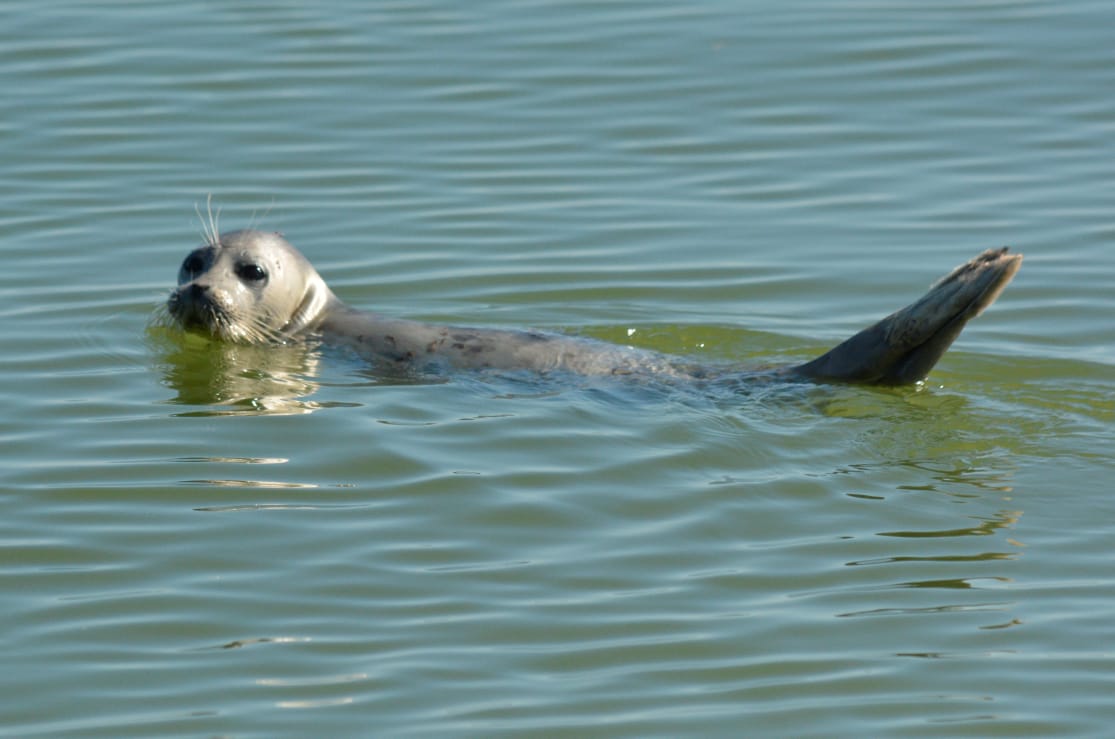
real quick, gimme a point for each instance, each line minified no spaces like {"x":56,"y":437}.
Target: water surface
{"x":199,"y":540}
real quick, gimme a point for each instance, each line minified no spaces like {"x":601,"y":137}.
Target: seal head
{"x":250,"y":287}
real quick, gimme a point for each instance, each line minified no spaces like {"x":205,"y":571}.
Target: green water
{"x":217,"y":541}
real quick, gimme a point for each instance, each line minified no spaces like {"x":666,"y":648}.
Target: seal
{"x":254,"y":287}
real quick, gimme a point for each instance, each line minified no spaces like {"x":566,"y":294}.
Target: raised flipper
{"x":905,"y":345}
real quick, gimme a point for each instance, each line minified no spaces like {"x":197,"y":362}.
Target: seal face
{"x":247,"y":286}
{"x":254,"y":287}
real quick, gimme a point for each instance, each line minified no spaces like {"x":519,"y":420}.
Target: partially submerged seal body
{"x":253,"y":286}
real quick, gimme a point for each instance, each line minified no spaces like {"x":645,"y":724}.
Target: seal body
{"x":254,"y":286}
{"x":416,"y":344}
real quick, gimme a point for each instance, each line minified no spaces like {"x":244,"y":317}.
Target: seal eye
{"x":251,"y":273}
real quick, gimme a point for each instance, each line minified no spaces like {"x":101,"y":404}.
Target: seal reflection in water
{"x":253,"y":286}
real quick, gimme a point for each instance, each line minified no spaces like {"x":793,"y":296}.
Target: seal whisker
{"x":258,"y":332}
{"x":162,"y":317}
{"x":210,"y":224}
{"x":254,"y":222}
{"x":214,"y":220}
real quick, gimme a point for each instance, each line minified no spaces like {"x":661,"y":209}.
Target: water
{"x":214,"y":541}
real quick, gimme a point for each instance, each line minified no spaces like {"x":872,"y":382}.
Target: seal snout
{"x":191,"y":298}
{"x":196,"y":305}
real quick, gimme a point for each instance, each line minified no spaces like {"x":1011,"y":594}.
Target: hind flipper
{"x":904,"y":346}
